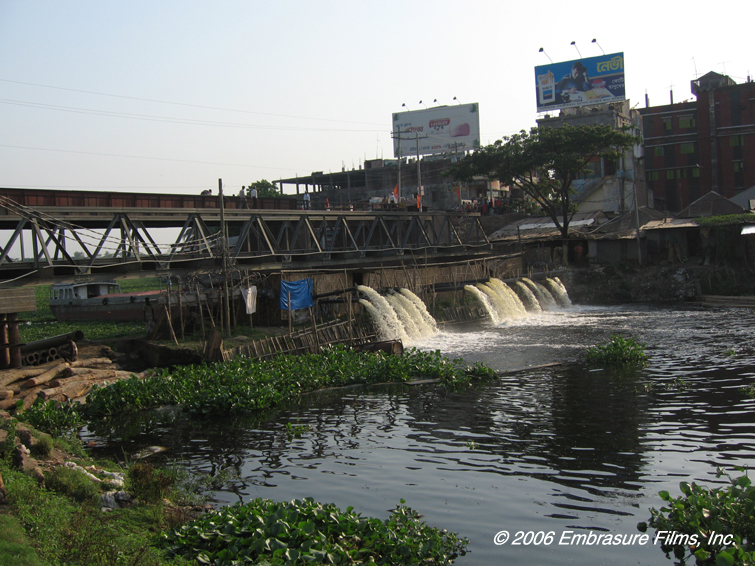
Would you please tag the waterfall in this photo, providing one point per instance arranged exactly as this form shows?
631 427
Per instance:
485 300
558 291
547 302
431 327
528 297
509 295
410 327
389 326
502 302
398 316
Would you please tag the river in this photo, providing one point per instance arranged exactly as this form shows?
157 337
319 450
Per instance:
562 449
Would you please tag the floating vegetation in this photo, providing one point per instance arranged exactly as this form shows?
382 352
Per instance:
308 532
618 352
246 385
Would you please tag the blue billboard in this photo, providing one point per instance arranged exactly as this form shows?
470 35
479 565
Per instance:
580 82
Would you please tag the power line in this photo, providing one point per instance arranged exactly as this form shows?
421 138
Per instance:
145 157
152 118
183 103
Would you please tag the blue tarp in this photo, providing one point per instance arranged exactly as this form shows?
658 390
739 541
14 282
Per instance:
301 294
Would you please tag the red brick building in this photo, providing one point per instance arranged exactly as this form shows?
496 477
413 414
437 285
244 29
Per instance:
692 148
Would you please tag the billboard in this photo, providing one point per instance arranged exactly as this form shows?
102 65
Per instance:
580 82
443 129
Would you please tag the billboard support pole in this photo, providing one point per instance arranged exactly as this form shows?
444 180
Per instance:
419 177
398 183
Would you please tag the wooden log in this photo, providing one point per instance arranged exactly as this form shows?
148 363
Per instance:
94 373
7 403
49 375
91 362
30 397
6 394
11 375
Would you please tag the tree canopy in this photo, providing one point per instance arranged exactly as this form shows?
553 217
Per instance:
545 162
266 189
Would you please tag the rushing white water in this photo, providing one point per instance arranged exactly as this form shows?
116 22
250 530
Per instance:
389 325
404 317
486 302
431 327
399 316
544 297
503 303
511 298
528 297
558 291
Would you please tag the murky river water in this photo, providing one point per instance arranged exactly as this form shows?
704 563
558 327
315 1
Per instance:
560 449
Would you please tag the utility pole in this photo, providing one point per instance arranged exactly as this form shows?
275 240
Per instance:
419 177
398 183
224 243
397 135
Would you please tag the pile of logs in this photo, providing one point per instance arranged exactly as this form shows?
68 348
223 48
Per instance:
59 381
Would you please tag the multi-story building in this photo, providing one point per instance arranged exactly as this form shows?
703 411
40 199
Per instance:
695 147
615 187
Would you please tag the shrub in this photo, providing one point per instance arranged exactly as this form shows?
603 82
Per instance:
56 419
703 513
73 484
148 483
618 352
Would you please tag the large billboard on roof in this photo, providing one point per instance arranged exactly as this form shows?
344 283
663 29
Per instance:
580 82
443 129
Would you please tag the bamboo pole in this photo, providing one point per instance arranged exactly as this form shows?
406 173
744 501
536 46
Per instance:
181 309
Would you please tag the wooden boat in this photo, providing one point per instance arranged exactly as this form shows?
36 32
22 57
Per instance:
98 300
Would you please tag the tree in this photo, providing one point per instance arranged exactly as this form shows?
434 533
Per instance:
545 162
266 189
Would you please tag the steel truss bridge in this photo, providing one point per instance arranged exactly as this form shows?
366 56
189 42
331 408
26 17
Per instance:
62 243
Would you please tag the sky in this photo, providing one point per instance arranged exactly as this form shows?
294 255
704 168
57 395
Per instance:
170 96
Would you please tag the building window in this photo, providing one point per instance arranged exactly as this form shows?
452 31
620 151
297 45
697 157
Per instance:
687 148
739 166
736 141
681 173
686 122
652 175
670 174
695 172
659 151
667 125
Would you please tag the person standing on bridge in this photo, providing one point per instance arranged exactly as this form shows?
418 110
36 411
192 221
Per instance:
252 192
242 198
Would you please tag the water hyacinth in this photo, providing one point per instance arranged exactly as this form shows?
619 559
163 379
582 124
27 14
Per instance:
246 385
308 532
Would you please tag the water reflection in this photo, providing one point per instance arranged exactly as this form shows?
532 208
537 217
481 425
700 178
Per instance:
548 449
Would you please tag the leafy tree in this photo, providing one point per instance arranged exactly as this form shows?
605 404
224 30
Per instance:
266 189
545 162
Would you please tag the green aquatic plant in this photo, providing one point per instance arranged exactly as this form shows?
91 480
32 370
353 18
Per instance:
295 431
246 385
618 352
308 532
59 420
716 526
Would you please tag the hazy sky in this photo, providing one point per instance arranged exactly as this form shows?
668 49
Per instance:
170 96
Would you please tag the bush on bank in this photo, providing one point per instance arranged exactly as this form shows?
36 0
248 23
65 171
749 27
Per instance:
247 385
716 526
